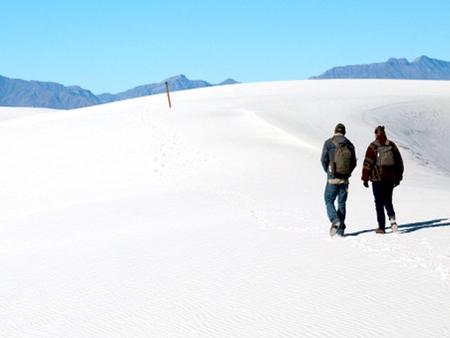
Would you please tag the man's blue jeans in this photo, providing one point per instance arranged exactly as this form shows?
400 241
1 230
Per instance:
333 191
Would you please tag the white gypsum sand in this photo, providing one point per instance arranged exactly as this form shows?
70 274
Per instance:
207 220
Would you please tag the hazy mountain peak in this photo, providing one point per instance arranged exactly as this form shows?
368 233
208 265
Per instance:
422 59
397 61
179 77
228 81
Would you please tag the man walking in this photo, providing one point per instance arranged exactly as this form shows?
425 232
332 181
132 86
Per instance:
338 160
383 166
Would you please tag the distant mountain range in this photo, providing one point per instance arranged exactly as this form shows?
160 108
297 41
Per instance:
422 68
179 82
21 93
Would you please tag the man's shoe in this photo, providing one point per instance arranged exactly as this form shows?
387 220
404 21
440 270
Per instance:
333 230
334 227
394 225
340 230
380 231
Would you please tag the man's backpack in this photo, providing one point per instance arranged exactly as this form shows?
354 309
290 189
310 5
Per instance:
342 163
384 154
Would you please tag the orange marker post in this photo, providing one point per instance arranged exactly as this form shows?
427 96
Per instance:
168 94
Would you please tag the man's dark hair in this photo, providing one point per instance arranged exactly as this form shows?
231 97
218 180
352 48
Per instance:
380 130
340 128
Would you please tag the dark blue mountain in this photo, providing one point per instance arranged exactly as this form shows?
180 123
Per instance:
20 93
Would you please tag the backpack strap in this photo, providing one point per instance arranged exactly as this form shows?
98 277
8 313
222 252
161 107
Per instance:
377 143
333 140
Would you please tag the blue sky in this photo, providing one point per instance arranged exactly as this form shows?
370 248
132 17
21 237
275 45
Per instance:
115 45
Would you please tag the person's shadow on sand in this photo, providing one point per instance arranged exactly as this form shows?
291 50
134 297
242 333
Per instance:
409 227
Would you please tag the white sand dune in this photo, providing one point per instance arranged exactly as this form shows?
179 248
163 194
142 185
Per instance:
207 220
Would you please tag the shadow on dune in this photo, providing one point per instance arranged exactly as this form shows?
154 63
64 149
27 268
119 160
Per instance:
409 227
